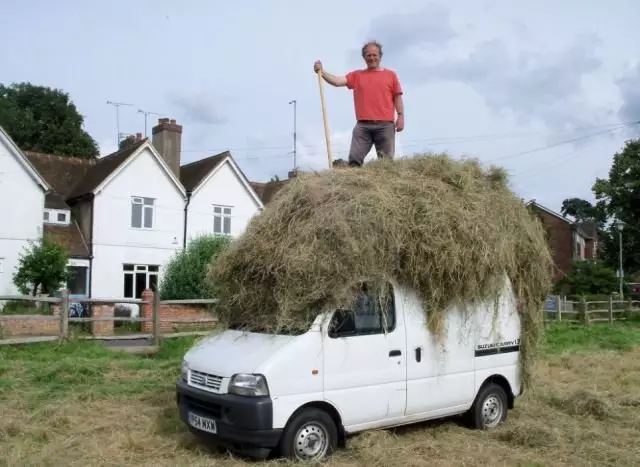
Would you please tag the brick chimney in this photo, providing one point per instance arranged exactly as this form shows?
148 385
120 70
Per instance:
130 140
167 139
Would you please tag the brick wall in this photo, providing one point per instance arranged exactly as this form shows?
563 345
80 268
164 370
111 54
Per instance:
14 326
29 325
177 312
560 241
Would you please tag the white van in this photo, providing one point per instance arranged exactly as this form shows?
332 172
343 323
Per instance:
303 394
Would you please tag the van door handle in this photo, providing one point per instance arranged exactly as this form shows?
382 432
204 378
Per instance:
395 353
418 354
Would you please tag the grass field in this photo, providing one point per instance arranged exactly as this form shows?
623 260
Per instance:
80 404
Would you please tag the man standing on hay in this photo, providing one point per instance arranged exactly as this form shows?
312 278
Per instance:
377 96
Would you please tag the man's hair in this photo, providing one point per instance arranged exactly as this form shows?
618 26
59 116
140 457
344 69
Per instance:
374 43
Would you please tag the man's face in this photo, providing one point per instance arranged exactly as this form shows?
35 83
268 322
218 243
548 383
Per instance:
372 56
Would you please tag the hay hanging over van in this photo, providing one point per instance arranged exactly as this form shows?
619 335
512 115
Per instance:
448 228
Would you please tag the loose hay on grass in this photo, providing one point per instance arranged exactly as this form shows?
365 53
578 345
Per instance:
448 228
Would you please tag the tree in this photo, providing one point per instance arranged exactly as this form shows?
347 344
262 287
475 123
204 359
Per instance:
588 278
582 210
186 274
42 119
619 197
42 268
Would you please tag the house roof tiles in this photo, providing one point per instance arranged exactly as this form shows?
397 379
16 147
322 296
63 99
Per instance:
61 173
101 169
192 174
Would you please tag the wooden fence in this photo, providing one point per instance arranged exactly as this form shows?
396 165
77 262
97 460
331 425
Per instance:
157 314
153 316
587 312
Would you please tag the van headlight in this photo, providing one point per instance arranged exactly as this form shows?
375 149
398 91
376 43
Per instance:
248 385
184 372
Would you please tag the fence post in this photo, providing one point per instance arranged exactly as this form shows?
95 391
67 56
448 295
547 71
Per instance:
559 307
611 309
156 318
585 312
64 314
630 308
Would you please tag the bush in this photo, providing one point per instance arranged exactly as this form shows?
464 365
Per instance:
588 278
185 277
42 268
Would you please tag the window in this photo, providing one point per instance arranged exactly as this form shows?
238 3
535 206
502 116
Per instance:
77 281
56 216
371 314
578 248
222 220
142 212
1 265
138 277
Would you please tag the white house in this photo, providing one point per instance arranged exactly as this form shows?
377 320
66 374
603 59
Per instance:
122 217
22 191
220 199
58 221
135 205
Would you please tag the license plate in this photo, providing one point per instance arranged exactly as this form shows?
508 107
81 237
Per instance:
202 423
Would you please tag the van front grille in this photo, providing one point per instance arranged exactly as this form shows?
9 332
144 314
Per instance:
205 380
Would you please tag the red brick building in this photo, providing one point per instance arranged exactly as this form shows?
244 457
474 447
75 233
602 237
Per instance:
569 240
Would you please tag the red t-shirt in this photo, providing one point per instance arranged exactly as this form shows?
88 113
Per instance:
373 93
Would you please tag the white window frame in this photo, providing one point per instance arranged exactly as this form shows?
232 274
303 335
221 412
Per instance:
147 212
53 214
222 215
134 270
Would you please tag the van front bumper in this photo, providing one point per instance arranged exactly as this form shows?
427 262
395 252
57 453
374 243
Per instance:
242 424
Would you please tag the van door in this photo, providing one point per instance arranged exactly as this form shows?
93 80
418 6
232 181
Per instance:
365 360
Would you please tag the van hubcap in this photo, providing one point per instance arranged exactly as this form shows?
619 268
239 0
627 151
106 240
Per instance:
492 411
311 441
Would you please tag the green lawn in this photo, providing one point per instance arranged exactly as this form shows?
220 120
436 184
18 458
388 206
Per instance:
78 403
561 337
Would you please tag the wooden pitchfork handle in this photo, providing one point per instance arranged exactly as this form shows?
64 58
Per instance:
324 118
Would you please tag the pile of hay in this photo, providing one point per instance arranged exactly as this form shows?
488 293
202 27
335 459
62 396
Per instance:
447 227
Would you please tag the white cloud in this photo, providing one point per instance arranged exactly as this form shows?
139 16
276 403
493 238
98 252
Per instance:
200 107
629 85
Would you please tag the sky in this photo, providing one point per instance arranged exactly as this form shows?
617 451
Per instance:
541 88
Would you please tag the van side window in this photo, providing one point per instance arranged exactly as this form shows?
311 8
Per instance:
367 317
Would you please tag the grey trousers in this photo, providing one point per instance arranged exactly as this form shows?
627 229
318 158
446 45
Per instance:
369 133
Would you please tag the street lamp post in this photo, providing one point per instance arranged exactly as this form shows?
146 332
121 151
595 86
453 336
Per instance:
620 226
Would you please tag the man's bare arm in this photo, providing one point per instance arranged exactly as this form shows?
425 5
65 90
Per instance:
337 81
399 104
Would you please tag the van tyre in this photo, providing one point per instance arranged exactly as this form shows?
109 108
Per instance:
311 435
490 407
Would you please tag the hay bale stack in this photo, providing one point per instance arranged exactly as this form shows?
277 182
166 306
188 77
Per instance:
446 227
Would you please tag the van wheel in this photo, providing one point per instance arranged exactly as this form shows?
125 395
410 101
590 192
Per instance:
490 408
310 436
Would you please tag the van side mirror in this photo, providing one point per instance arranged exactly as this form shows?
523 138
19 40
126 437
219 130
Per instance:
343 323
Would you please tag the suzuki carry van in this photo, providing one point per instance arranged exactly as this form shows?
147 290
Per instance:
374 366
